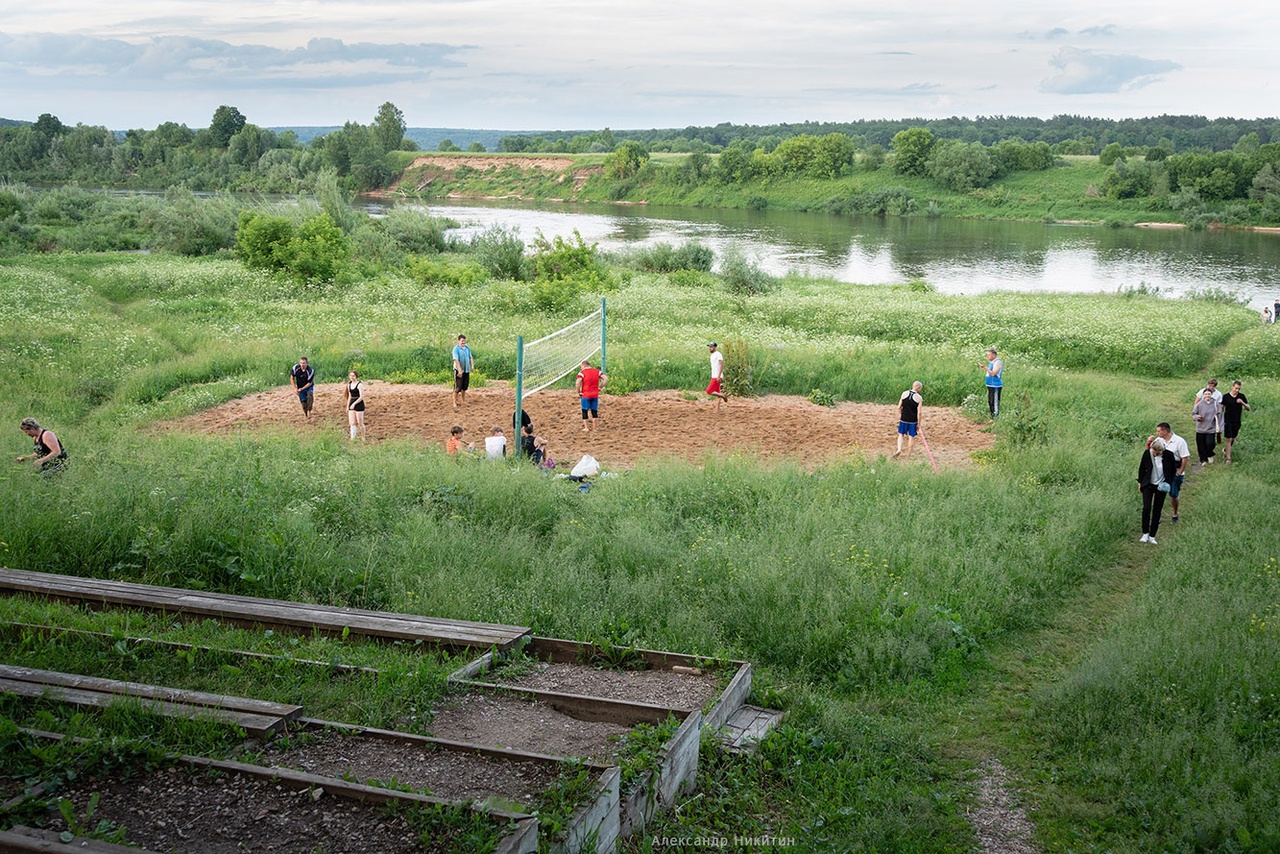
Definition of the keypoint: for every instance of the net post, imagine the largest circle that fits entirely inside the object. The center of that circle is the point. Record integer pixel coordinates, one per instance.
(603, 317)
(519, 438)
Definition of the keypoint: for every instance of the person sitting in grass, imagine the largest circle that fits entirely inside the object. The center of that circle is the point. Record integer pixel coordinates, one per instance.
(533, 447)
(454, 445)
(495, 444)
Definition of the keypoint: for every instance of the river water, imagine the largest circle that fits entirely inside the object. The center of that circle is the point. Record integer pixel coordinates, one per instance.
(955, 256)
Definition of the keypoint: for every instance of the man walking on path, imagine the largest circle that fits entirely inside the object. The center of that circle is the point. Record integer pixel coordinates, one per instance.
(1233, 406)
(994, 368)
(589, 383)
(1178, 445)
(462, 365)
(302, 377)
(909, 417)
(1216, 395)
(717, 374)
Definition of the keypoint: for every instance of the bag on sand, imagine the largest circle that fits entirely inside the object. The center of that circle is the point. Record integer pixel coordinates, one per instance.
(586, 467)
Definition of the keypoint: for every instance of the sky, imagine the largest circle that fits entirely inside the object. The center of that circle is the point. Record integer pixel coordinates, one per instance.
(588, 64)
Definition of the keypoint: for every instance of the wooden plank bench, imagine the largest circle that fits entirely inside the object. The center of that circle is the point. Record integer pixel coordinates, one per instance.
(257, 717)
(250, 610)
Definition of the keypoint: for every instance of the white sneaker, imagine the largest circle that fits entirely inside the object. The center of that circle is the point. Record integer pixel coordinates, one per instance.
(1146, 538)
(1152, 540)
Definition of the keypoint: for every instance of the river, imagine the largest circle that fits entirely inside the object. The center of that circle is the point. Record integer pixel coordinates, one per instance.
(955, 256)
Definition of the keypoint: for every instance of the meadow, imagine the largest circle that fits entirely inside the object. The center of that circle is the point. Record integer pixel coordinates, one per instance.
(913, 625)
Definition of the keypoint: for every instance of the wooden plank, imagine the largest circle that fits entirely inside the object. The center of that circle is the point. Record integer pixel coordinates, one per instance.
(585, 708)
(747, 727)
(261, 726)
(286, 711)
(20, 839)
(731, 698)
(326, 618)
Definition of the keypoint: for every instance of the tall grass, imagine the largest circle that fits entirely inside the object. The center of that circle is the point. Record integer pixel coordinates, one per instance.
(870, 595)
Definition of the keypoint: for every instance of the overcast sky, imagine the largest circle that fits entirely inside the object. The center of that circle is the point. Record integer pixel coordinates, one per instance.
(587, 64)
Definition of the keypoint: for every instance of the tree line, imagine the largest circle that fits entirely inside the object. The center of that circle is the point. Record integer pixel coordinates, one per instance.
(230, 154)
(1066, 134)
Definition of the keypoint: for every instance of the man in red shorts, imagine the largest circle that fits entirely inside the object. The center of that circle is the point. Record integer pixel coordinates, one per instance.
(717, 374)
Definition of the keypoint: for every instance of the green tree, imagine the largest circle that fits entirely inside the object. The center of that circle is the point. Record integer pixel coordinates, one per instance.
(447, 144)
(49, 125)
(388, 127)
(961, 167)
(626, 161)
(476, 147)
(911, 149)
(249, 144)
(226, 123)
(873, 157)
(732, 166)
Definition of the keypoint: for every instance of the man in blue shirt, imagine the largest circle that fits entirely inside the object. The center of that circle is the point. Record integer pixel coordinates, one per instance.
(462, 365)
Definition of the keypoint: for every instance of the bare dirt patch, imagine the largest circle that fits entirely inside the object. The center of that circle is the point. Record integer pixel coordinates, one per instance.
(647, 425)
(450, 162)
(180, 810)
(666, 688)
(503, 721)
(453, 775)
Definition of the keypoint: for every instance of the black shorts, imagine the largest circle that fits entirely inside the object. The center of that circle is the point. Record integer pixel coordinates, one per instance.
(461, 382)
(1230, 431)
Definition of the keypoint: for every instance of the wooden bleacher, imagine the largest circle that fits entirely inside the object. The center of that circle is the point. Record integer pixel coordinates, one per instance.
(257, 717)
(250, 610)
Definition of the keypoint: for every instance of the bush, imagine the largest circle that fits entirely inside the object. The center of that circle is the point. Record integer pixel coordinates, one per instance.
(438, 271)
(570, 260)
(415, 231)
(500, 250)
(742, 276)
(665, 258)
(190, 226)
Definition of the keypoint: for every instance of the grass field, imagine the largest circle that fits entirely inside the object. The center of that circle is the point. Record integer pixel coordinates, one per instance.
(913, 626)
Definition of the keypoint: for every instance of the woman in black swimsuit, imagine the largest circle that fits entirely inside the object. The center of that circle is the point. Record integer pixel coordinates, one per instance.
(49, 456)
(355, 405)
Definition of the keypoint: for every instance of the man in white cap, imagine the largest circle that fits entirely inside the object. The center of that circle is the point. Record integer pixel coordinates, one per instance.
(717, 374)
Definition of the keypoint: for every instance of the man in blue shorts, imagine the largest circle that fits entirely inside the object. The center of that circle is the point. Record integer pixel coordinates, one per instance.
(909, 417)
(589, 383)
(302, 377)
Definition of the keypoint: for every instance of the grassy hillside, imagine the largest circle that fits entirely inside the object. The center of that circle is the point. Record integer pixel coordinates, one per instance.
(914, 626)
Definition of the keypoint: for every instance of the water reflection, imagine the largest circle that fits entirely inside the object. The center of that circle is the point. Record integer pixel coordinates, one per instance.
(956, 256)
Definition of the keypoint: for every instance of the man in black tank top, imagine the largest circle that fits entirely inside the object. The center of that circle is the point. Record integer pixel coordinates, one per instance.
(909, 417)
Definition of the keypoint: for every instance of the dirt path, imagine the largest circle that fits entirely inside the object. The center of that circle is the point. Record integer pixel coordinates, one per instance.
(644, 425)
(989, 726)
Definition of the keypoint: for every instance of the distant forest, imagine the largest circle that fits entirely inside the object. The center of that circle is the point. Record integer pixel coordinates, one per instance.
(1068, 134)
(1220, 170)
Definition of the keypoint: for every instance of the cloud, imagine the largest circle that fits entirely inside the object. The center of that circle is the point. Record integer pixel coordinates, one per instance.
(213, 63)
(1104, 31)
(1084, 72)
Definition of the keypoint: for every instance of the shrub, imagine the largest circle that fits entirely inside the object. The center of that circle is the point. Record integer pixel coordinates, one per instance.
(742, 276)
(500, 250)
(415, 231)
(665, 258)
(570, 260)
(438, 271)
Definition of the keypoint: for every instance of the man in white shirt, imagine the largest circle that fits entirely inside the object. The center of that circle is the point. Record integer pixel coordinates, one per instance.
(717, 374)
(1177, 444)
(1217, 401)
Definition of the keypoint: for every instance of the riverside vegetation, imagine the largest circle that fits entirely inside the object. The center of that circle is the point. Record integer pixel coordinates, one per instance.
(1170, 168)
(913, 625)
